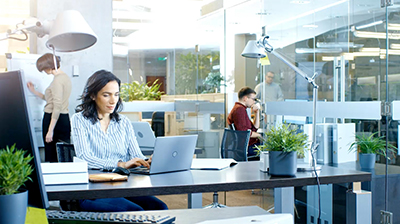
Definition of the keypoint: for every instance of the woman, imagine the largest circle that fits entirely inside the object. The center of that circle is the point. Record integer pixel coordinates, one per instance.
(105, 139)
(55, 124)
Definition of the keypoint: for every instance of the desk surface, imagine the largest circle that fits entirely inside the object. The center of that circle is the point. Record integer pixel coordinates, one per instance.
(244, 175)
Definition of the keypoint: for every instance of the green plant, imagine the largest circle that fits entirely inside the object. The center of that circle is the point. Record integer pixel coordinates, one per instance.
(369, 144)
(189, 67)
(14, 169)
(136, 91)
(284, 138)
(212, 81)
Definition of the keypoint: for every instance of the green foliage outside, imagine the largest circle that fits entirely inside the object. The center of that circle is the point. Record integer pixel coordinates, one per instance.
(14, 169)
(136, 91)
(369, 144)
(212, 82)
(284, 138)
(186, 72)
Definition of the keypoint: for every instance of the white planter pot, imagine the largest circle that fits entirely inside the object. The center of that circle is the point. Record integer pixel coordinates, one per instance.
(264, 161)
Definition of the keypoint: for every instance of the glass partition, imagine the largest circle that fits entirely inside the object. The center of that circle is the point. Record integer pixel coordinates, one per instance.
(343, 44)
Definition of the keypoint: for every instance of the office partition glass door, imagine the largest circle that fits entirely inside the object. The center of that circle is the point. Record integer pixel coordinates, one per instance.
(344, 44)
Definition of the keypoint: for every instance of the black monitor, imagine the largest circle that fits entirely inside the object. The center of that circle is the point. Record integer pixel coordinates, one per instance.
(16, 127)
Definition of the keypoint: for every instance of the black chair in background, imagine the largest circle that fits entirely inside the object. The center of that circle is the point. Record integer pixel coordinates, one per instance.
(157, 123)
(66, 153)
(234, 146)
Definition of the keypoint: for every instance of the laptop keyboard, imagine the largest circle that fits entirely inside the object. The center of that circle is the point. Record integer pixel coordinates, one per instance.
(141, 169)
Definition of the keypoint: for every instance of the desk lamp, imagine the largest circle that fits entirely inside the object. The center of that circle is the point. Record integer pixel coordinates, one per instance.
(69, 32)
(257, 49)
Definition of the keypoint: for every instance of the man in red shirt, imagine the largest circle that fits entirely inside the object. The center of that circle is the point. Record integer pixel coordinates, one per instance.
(240, 119)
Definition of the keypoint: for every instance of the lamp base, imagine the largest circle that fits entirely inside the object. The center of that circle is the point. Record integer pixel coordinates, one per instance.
(307, 168)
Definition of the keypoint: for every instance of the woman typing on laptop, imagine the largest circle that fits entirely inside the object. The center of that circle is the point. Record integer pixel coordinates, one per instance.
(105, 139)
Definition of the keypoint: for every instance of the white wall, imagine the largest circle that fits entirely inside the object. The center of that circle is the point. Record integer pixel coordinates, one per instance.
(98, 14)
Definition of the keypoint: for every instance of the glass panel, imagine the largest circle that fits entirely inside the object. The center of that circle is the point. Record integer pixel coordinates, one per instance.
(183, 56)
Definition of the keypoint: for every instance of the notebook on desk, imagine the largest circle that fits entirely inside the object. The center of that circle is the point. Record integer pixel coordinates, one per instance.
(171, 153)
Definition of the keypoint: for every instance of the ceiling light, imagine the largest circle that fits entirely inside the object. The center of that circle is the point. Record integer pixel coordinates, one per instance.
(378, 35)
(328, 58)
(311, 26)
(369, 25)
(317, 50)
(338, 45)
(395, 46)
(393, 26)
(300, 2)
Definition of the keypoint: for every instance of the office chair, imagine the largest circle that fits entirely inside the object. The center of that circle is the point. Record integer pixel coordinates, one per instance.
(234, 145)
(66, 153)
(157, 123)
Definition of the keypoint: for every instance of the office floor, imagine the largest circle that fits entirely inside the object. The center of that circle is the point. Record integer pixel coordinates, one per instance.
(262, 198)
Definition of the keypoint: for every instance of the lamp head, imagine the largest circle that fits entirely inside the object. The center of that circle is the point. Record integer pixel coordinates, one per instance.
(252, 50)
(257, 49)
(70, 32)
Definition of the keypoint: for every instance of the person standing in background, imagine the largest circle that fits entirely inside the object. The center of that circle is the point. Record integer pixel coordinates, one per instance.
(269, 91)
(55, 124)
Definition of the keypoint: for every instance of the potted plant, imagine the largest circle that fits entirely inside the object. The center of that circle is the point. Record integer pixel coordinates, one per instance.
(368, 146)
(14, 172)
(136, 91)
(283, 144)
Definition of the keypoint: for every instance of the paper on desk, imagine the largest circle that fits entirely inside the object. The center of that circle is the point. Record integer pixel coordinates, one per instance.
(259, 219)
(35, 216)
(212, 164)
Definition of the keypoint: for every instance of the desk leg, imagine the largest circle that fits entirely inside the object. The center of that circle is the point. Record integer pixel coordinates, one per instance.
(284, 200)
(195, 200)
(358, 206)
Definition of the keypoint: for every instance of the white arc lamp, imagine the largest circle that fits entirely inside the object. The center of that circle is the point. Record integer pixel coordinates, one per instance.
(69, 32)
(257, 49)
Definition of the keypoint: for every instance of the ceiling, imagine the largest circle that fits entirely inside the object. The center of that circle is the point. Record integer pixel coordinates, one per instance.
(176, 24)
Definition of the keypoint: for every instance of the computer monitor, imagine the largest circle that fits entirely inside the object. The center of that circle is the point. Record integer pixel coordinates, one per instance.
(16, 128)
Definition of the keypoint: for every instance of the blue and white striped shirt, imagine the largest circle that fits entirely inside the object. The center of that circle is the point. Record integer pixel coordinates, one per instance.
(103, 150)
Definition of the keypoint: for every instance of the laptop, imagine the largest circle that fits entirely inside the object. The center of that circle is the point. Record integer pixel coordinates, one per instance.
(171, 153)
(144, 135)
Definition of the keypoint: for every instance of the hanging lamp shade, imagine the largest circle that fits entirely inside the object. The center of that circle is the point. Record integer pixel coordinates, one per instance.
(70, 32)
(253, 51)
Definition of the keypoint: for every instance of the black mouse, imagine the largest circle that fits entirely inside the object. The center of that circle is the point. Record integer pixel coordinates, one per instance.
(121, 171)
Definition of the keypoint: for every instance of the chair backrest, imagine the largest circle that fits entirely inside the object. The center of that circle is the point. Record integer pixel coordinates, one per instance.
(234, 144)
(65, 152)
(157, 123)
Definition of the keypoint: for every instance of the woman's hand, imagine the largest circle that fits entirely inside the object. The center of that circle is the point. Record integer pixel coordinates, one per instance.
(149, 159)
(31, 87)
(134, 163)
(49, 136)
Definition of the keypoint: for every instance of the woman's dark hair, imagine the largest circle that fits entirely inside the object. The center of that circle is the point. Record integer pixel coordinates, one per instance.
(95, 83)
(46, 61)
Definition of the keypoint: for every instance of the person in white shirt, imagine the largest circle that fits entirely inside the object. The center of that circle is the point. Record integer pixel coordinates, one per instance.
(269, 91)
(106, 139)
